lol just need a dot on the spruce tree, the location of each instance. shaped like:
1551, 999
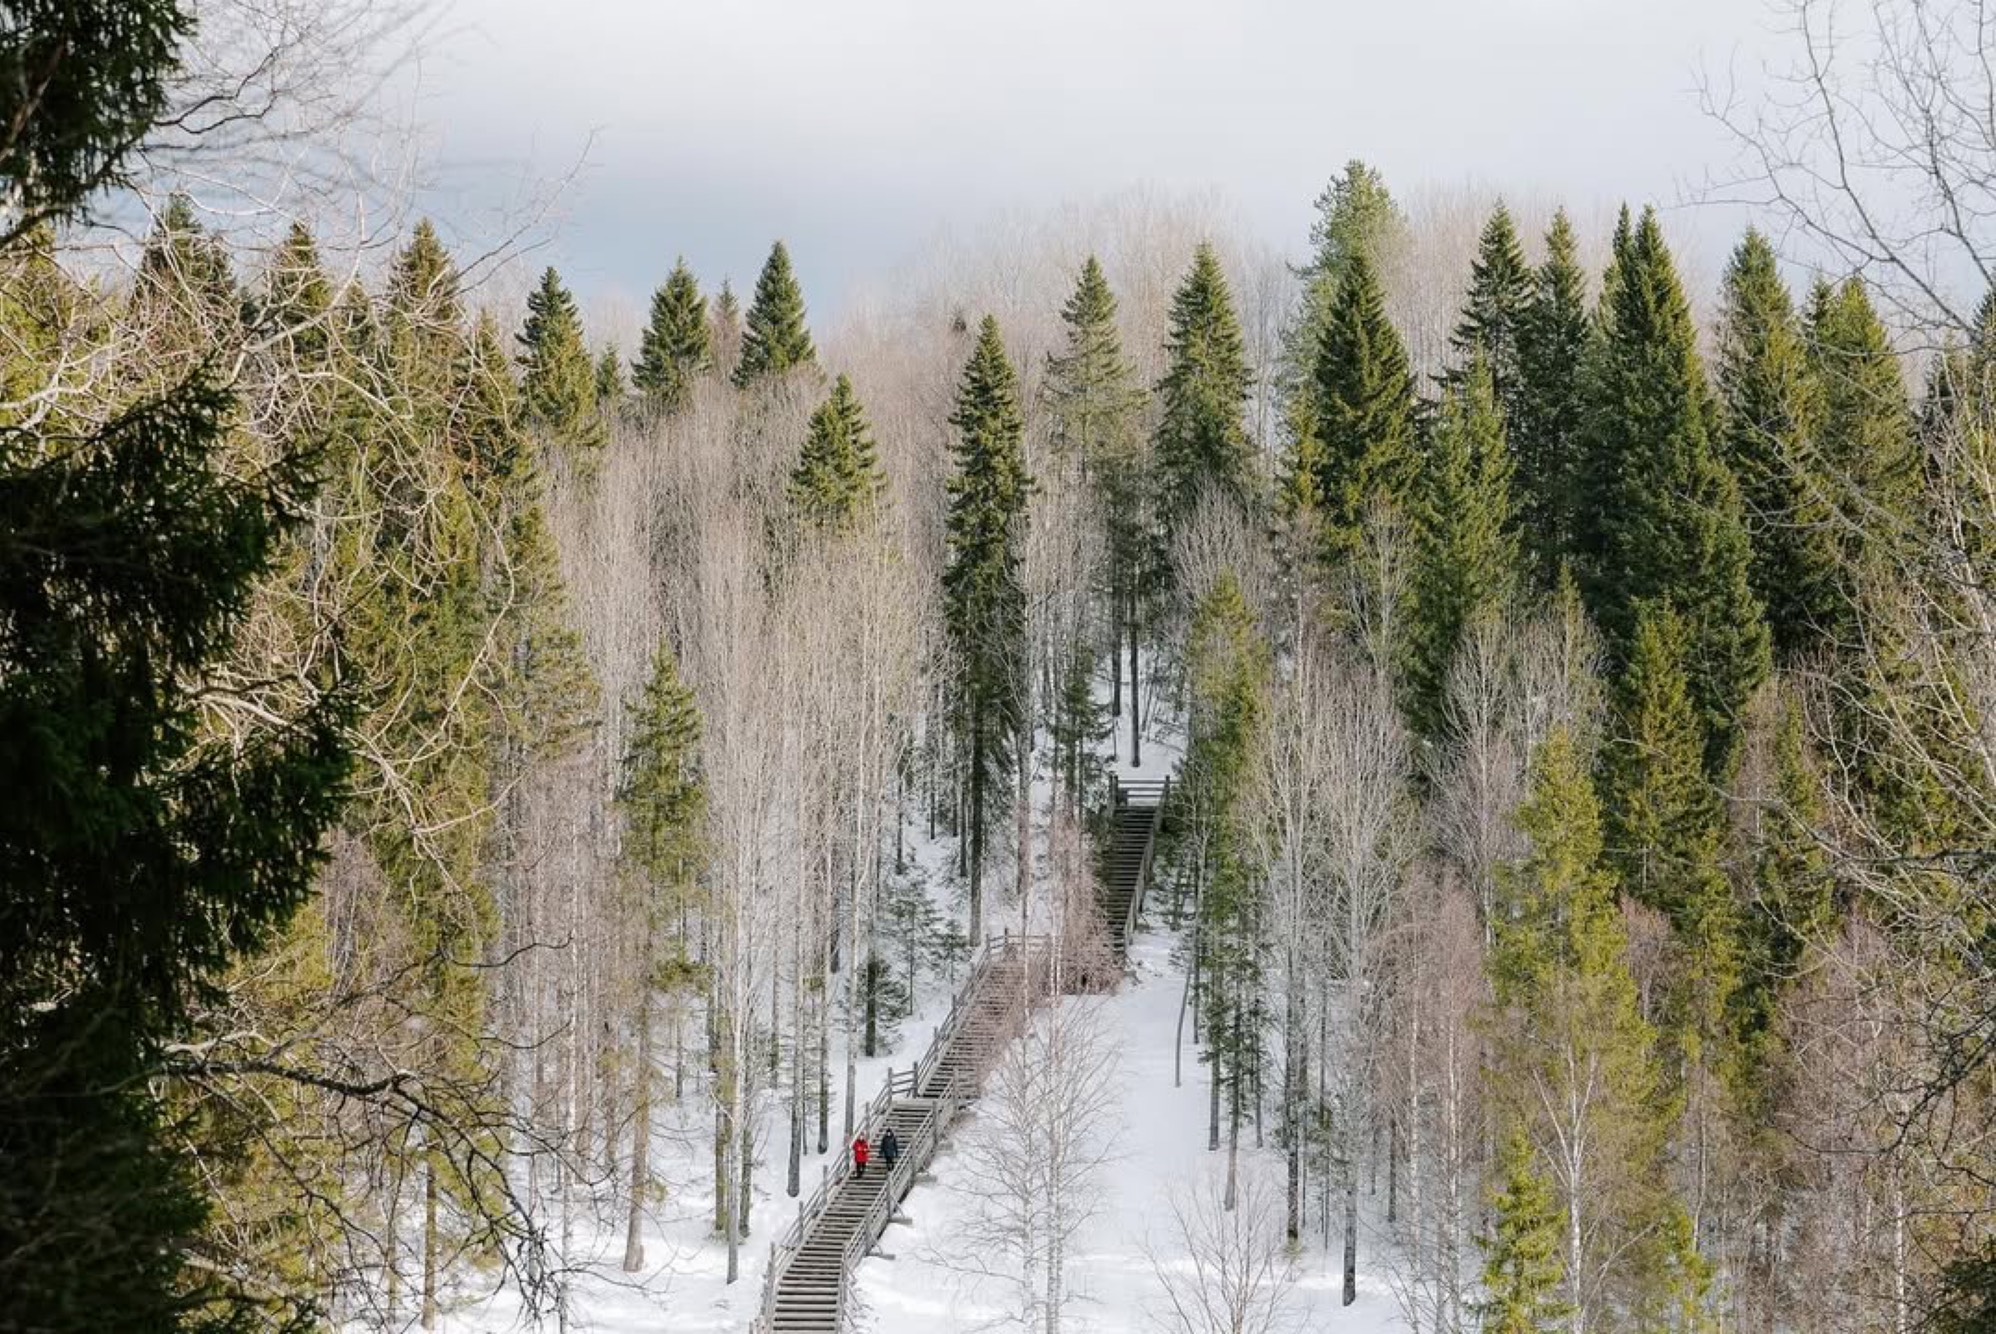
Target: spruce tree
1522, 1273
724, 325
1364, 404
1203, 450
677, 347
1669, 527
1096, 405
1228, 663
775, 338
485, 429
1765, 413
1793, 900
1547, 424
1465, 557
610, 387
837, 479
558, 377
1493, 314
1667, 826
423, 284
1575, 1060
144, 850
984, 602
1870, 456
1357, 219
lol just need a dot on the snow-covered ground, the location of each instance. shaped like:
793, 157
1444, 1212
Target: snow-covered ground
1159, 1147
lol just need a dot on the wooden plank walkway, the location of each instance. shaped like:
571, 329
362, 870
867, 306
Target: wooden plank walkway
810, 1268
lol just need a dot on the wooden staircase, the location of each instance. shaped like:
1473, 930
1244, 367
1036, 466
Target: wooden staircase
1136, 814
810, 1267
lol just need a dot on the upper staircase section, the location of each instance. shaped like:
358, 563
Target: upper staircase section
1136, 817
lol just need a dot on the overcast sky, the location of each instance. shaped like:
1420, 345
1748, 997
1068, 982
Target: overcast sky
857, 129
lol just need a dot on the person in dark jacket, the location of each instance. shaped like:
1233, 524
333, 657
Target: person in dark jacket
890, 1148
859, 1156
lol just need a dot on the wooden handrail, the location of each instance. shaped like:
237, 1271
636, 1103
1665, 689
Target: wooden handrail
872, 1123
1135, 910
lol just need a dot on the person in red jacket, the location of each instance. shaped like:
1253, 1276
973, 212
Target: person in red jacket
860, 1153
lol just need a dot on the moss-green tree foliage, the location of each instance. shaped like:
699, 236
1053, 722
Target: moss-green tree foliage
837, 479
1228, 663
557, 374
1766, 412
1547, 424
1202, 448
775, 338
611, 389
186, 304
1493, 313
724, 327
1793, 889
142, 852
1522, 1274
1576, 1064
1667, 830
677, 347
1357, 218
1363, 395
664, 801
984, 602
1869, 454
1465, 556
1095, 406
1667, 524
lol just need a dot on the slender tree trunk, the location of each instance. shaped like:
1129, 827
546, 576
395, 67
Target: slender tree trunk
634, 1245
1351, 1236
1234, 1119
824, 1028
976, 840
430, 1246
1292, 1094
1213, 1105
1136, 695
1116, 653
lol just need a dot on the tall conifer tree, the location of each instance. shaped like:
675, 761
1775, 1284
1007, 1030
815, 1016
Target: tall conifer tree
1096, 404
1364, 405
1493, 314
1465, 556
677, 346
1203, 448
775, 338
558, 376
1870, 456
983, 599
1548, 422
837, 479
1765, 414
1522, 1274
1669, 526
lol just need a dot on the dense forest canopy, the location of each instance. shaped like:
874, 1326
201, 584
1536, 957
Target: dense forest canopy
452, 767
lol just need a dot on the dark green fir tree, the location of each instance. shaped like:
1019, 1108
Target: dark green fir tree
1203, 449
677, 346
1668, 526
1364, 404
1547, 423
1465, 556
1766, 411
558, 376
984, 601
837, 479
775, 338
